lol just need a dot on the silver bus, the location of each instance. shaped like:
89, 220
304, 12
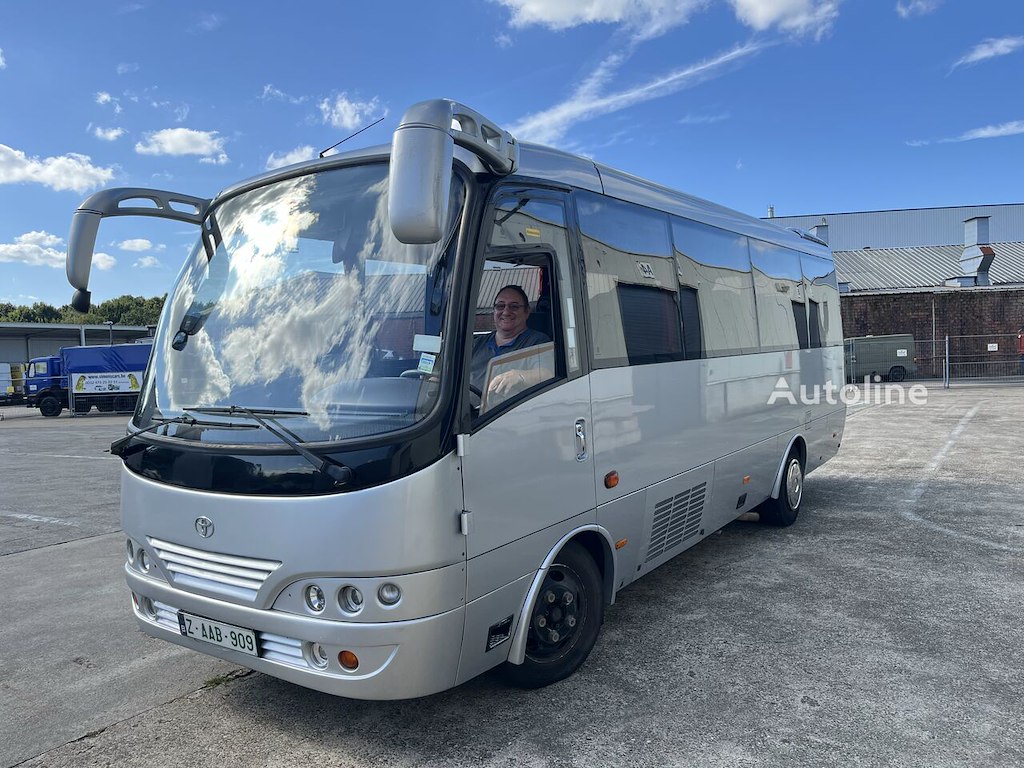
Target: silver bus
342, 473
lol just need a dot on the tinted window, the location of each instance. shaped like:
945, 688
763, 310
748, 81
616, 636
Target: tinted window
713, 270
781, 308
650, 322
820, 277
631, 282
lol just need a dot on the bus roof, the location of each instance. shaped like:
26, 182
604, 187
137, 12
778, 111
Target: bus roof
553, 165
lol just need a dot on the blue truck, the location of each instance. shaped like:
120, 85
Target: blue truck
79, 378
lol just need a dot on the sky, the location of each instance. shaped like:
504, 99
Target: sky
811, 106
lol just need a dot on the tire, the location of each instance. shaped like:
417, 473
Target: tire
783, 511
562, 633
50, 406
897, 373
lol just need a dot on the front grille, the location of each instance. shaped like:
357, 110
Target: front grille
283, 650
229, 575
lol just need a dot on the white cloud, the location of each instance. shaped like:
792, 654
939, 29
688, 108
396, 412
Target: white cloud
44, 239
108, 134
587, 102
1013, 128
102, 97
989, 49
643, 18
909, 8
3, 61
137, 244
799, 17
40, 249
503, 40
210, 22
297, 155
147, 262
68, 172
703, 119
37, 249
343, 112
185, 141
276, 94
646, 19
127, 67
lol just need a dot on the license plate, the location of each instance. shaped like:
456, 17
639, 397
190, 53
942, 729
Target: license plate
218, 633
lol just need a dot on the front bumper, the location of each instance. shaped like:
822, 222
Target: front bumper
397, 660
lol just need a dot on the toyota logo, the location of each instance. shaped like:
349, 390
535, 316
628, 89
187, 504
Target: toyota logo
204, 527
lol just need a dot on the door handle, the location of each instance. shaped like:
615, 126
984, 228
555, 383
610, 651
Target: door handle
581, 440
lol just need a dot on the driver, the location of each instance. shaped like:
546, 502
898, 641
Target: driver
511, 308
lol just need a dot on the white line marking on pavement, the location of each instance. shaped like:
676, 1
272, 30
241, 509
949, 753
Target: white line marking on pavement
38, 518
56, 455
922, 485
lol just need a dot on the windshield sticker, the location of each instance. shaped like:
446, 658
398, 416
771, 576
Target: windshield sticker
427, 363
422, 343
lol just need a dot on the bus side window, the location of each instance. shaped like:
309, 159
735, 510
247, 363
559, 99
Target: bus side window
632, 286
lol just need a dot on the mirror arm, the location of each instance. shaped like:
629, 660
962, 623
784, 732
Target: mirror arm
86, 222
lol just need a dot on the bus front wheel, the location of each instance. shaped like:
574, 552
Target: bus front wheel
783, 511
564, 621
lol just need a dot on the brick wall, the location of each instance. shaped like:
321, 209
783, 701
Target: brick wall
961, 312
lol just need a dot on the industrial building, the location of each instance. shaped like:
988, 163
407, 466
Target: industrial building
952, 279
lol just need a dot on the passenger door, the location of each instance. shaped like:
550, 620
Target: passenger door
527, 461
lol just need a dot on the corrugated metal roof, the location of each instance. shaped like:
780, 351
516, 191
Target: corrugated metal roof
873, 269
911, 228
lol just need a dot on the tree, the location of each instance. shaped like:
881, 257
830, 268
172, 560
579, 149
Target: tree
123, 310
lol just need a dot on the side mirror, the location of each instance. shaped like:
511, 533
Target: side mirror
421, 173
421, 164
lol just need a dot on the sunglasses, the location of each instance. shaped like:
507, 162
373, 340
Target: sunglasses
501, 306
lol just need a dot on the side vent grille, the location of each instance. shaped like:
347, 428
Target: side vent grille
676, 519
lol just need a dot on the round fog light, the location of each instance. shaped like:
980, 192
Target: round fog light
147, 608
389, 594
318, 655
350, 599
143, 561
315, 599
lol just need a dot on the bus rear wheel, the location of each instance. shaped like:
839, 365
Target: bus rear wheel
784, 510
897, 373
564, 621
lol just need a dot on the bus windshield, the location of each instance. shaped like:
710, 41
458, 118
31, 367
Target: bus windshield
298, 299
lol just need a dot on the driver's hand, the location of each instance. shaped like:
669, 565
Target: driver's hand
508, 382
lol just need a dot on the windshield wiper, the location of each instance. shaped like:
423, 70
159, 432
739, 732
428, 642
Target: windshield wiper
120, 446
339, 474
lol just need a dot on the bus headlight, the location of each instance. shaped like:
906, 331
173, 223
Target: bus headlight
315, 599
350, 599
389, 594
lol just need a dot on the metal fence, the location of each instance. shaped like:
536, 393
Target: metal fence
950, 359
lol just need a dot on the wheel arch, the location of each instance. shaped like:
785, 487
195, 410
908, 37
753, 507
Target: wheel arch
598, 542
798, 442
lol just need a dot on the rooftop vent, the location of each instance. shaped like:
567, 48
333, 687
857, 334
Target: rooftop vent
977, 256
